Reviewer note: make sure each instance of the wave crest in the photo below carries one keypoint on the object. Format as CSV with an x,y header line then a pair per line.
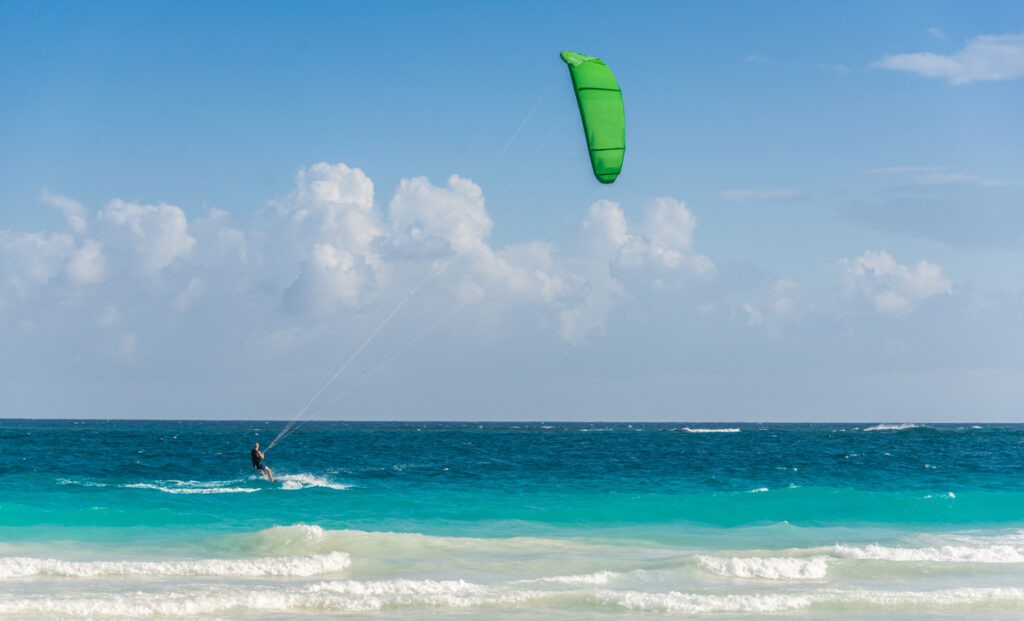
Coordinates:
x,y
767,568
296,566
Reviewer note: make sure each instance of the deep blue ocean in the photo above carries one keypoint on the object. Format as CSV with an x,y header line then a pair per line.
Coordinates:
x,y
168,519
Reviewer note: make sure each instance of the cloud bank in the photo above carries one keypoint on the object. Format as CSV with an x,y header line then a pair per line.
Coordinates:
x,y
143,309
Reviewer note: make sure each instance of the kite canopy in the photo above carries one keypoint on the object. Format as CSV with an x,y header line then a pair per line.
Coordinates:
x,y
604,119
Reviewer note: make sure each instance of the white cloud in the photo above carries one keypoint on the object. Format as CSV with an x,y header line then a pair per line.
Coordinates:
x,y
783,304
455,213
190,294
754,317
985,58
74,212
30,260
663,240
935,175
778,194
327,250
892,170
937,33
157,234
756,58
892,288
668,227
330,278
937,178
87,265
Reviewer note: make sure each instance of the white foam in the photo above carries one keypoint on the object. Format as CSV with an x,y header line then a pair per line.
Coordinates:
x,y
596,578
336,596
694,603
894,427
767,568
938,554
701,430
63,481
302,481
193,487
759,490
295,566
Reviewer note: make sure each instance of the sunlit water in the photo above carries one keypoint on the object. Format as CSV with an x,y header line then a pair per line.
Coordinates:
x,y
526,521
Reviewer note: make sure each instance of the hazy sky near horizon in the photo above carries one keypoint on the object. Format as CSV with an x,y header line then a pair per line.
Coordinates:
x,y
205,209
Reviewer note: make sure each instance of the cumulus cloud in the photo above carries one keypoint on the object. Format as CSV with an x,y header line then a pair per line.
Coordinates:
x,y
984,58
777,194
157,234
87,265
663,240
327,250
74,212
892,288
454,213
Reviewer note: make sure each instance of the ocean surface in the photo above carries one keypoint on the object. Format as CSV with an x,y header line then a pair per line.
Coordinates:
x,y
142,519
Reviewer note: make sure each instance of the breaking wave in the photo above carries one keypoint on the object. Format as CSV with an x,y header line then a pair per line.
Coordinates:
x,y
941,554
370,596
767,568
296,566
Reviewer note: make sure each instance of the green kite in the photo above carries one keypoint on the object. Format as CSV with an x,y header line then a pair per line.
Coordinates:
x,y
604,119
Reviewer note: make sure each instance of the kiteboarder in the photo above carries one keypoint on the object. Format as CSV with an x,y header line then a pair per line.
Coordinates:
x,y
257,462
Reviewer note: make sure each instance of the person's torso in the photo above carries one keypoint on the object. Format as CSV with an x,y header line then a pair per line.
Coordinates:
x,y
255,457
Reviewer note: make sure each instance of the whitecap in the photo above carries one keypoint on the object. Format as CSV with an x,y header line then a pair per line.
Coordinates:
x,y
767,568
894,427
715,430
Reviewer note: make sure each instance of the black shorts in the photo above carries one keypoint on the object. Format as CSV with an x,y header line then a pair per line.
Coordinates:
x,y
259,466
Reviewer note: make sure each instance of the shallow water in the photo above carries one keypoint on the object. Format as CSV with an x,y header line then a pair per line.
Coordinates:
x,y
125,519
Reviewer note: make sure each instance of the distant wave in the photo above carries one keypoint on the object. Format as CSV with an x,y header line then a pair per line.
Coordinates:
x,y
896,427
767,568
296,566
702,430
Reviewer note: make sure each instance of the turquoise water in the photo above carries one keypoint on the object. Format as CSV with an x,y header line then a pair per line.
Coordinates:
x,y
126,519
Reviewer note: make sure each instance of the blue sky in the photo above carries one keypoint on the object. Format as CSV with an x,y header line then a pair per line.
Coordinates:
x,y
205,208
